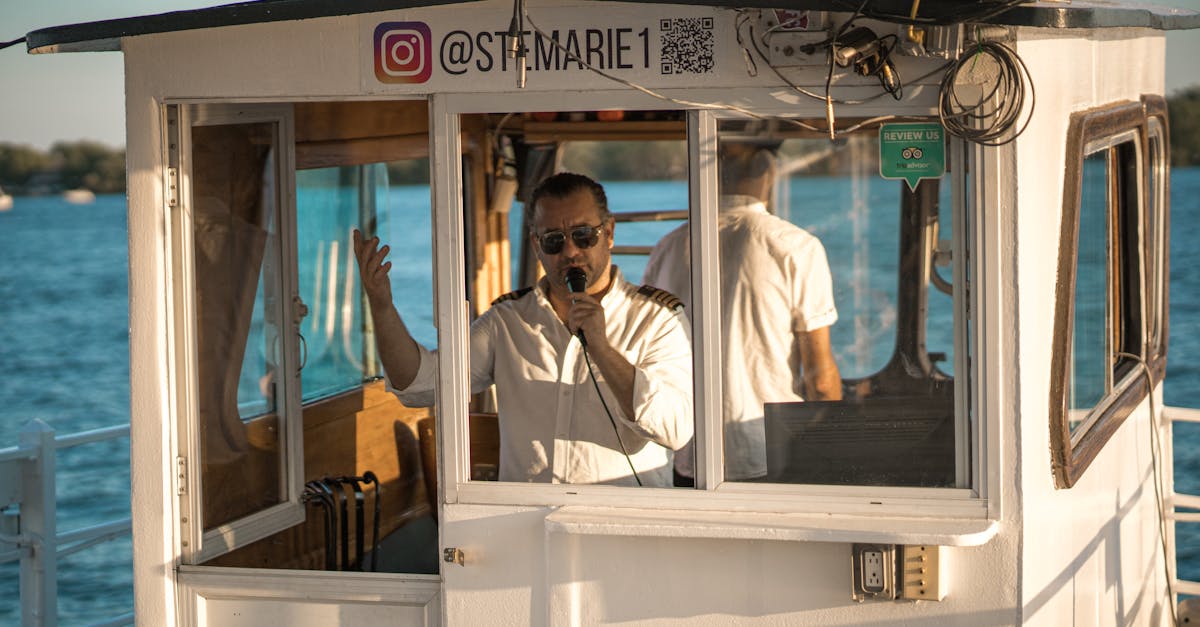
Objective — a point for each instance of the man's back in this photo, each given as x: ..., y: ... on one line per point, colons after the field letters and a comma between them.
x: 775, y: 282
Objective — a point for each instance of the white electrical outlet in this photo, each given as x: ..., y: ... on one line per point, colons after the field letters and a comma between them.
x: 874, y: 571
x: 872, y: 567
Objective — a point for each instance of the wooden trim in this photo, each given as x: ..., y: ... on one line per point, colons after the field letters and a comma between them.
x: 1070, y: 462
x: 608, y: 131
x: 360, y: 151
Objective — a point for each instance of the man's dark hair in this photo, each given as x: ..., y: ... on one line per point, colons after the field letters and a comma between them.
x: 564, y: 184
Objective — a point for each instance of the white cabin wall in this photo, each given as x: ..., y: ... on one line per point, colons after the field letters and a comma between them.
x: 151, y: 418
x: 255, y: 61
x: 1088, y: 553
x: 556, y: 578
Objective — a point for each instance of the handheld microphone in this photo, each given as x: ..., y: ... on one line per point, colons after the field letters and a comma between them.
x: 576, y: 280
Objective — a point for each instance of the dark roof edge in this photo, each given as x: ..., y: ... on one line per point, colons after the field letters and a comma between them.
x: 106, y: 35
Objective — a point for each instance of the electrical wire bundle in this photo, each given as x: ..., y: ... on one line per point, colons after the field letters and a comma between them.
x: 998, y: 108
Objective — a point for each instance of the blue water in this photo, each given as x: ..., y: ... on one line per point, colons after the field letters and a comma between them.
x: 64, y: 359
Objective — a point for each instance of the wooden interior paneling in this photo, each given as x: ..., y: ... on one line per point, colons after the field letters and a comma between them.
x: 335, y: 121
x: 330, y: 134
x: 349, y: 434
x: 348, y: 152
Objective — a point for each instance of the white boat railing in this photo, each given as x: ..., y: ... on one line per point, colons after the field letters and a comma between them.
x: 1183, y: 507
x: 28, y: 524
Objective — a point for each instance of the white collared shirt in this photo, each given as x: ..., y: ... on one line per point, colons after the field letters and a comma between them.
x: 775, y: 280
x: 553, y: 427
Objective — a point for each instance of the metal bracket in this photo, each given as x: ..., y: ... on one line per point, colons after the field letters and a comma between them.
x: 181, y: 475
x: 172, y: 187
x: 454, y: 555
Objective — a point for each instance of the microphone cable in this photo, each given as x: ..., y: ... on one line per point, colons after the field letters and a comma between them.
x: 612, y: 421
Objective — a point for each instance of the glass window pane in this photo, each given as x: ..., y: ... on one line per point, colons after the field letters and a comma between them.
x: 406, y: 226
x: 825, y: 303
x: 638, y: 177
x: 553, y: 393
x: 939, y: 326
x: 329, y: 203
x: 1091, y: 343
x: 240, y: 317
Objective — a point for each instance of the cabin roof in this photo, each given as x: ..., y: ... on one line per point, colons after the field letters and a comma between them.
x: 106, y: 35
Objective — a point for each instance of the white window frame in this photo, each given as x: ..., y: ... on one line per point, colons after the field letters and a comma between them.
x: 981, y: 392
x: 195, y: 545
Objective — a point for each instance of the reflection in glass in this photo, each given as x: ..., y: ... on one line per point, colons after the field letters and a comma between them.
x: 238, y: 312
x: 825, y: 305
x: 329, y: 203
x: 1090, y: 349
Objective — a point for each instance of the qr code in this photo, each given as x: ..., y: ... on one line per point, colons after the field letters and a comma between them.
x: 687, y: 45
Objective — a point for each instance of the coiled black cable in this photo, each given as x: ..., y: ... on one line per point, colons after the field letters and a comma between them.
x: 998, y: 110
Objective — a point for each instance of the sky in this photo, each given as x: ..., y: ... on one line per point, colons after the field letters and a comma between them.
x: 66, y: 97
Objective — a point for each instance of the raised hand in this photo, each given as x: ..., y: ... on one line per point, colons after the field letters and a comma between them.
x: 372, y: 269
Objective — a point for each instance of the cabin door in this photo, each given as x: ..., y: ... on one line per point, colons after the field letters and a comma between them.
x: 253, y: 432
x: 239, y: 464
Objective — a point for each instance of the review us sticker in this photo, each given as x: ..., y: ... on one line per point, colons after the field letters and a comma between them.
x: 912, y: 152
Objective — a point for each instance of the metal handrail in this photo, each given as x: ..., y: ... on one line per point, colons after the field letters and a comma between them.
x: 1180, y: 414
x: 117, y: 621
x: 1180, y: 500
x: 17, y: 453
x: 87, y: 537
x: 94, y: 435
x: 29, y: 470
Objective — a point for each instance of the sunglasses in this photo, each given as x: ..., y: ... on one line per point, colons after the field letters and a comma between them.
x: 584, y: 237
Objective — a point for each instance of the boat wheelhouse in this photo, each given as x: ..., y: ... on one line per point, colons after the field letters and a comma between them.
x: 989, y: 180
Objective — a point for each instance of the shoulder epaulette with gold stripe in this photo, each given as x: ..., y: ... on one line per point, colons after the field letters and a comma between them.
x: 514, y: 295
x: 661, y: 296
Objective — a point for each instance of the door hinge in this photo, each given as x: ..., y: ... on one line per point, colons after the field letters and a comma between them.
x: 172, y: 187
x: 454, y: 555
x: 181, y: 475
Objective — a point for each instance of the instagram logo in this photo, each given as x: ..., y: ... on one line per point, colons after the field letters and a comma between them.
x: 402, y: 52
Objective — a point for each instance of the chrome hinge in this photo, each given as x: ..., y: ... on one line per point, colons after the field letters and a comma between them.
x: 454, y: 555
x: 181, y: 475
x: 172, y: 187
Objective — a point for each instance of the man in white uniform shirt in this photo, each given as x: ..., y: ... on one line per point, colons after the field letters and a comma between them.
x: 534, y: 345
x: 776, y: 310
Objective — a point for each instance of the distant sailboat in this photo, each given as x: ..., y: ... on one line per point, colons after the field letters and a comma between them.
x: 6, y: 201
x: 79, y: 196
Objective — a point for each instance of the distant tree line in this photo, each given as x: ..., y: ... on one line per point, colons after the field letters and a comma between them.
x: 66, y: 165
x: 1184, y: 111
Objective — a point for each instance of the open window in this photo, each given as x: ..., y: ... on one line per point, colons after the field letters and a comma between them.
x: 640, y: 158
x: 1110, y: 289
x: 240, y: 466
x: 317, y: 465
